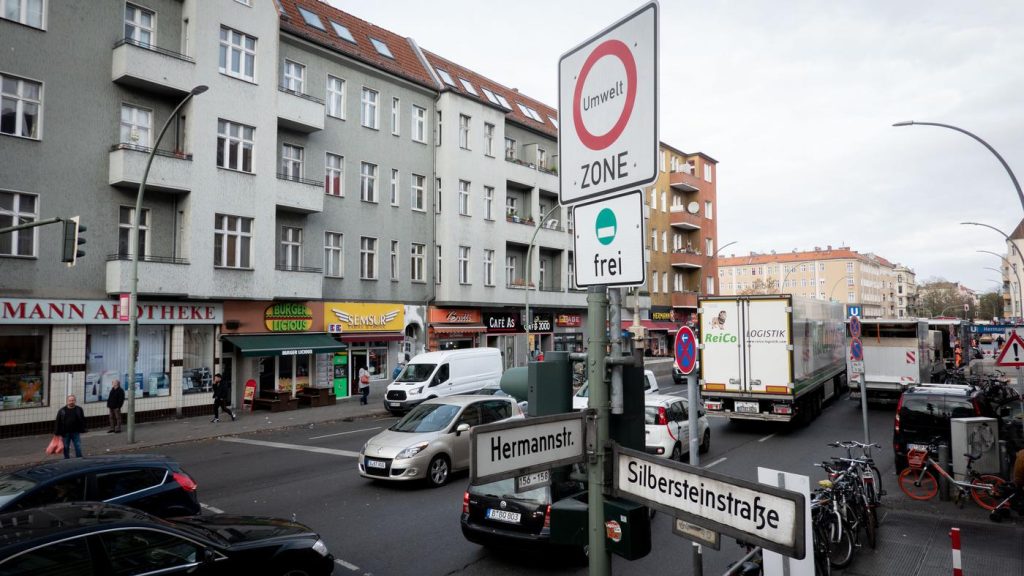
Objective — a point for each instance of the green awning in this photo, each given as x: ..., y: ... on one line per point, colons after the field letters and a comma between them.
x: 285, y: 344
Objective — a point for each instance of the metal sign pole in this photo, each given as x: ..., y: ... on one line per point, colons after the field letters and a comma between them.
x: 600, y: 561
x: 864, y: 410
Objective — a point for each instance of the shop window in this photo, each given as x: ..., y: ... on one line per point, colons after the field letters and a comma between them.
x: 197, y: 365
x: 106, y: 359
x: 24, y: 365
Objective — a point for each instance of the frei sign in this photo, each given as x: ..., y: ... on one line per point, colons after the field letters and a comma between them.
x: 520, y: 447
x: 608, y: 106
x: 609, y: 241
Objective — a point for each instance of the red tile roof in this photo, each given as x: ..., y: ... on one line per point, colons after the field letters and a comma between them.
x: 834, y: 254
x: 405, y: 64
x: 514, y: 97
x: 1018, y: 232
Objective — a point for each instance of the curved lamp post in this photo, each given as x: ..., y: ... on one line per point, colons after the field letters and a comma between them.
x: 529, y: 269
x: 1008, y: 264
x: 830, y: 292
x: 133, y: 313
x: 1020, y: 289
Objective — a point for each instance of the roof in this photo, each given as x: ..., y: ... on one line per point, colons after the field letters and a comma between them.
x: 511, y: 95
x: 1018, y: 232
x: 405, y: 63
x: 21, y: 528
x: 681, y: 153
x: 841, y: 253
x: 53, y: 468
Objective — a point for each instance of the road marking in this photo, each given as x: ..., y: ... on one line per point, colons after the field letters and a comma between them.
x: 316, y: 449
x: 677, y: 393
x: 767, y: 437
x: 717, y: 462
x: 211, y: 508
x: 342, y: 433
x: 344, y: 564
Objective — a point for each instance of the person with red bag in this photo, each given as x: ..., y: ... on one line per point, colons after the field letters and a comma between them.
x: 70, y: 425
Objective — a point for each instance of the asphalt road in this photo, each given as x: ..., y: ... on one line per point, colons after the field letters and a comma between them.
x: 395, y: 529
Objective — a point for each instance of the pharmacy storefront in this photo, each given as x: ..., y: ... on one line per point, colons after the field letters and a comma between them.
x: 52, y: 348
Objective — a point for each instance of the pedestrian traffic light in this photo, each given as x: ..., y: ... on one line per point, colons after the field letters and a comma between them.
x: 72, y: 240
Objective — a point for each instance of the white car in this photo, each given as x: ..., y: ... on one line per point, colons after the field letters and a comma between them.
x: 582, y: 397
x: 667, y: 426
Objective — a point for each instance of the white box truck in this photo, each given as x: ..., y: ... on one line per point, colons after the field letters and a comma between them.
x: 773, y: 357
x: 897, y: 354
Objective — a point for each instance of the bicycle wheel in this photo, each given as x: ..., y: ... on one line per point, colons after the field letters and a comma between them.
x: 871, y: 527
x: 822, y: 567
x: 918, y: 484
x: 840, y: 542
x: 876, y: 479
x: 987, y: 499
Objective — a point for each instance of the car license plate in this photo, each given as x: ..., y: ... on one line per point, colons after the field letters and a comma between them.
x: 747, y: 407
x: 503, y: 515
x: 375, y: 464
x: 395, y: 404
x: 923, y: 447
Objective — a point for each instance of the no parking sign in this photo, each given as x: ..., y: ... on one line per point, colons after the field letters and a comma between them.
x: 686, y: 350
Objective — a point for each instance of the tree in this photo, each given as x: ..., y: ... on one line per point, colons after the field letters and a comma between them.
x: 938, y: 297
x: 991, y: 306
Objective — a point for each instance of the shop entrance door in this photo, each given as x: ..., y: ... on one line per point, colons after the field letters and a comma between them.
x: 358, y: 359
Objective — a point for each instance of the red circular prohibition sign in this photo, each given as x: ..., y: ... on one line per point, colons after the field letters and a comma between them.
x: 619, y: 50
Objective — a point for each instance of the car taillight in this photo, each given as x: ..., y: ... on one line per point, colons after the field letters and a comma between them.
x: 186, y: 483
x: 547, y: 517
x: 899, y: 406
x: 662, y: 416
x: 465, y: 503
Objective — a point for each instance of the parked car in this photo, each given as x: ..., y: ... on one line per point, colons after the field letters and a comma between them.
x: 150, y: 482
x: 667, y: 426
x: 98, y: 538
x: 582, y: 396
x: 497, y: 391
x: 432, y: 440
x: 677, y: 374
x: 924, y: 412
x: 444, y: 373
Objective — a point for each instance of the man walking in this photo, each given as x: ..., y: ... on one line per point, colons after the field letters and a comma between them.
x: 221, y: 398
x: 114, y: 402
x: 70, y: 426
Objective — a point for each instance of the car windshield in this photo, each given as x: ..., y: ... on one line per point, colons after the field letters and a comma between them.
x: 12, y: 486
x: 584, y: 391
x: 416, y: 373
x: 490, y: 391
x: 506, y: 489
x: 427, y: 418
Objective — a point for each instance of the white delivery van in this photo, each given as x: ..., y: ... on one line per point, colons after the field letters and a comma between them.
x: 443, y: 373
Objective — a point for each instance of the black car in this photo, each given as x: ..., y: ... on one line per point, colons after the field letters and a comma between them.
x: 149, y: 482
x: 677, y: 375
x: 92, y: 538
x: 924, y: 412
x: 493, y: 514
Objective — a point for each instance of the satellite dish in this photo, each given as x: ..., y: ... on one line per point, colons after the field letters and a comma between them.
x: 693, y: 207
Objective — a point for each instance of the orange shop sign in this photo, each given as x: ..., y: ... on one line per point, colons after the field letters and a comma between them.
x: 347, y: 317
x: 455, y: 316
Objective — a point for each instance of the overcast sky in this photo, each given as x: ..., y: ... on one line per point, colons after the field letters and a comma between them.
x: 795, y: 100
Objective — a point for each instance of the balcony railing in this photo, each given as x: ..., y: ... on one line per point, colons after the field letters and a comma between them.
x: 147, y: 258
x: 293, y: 178
x: 147, y: 150
x: 518, y: 284
x: 516, y: 219
x: 550, y: 288
x: 157, y: 49
x: 290, y: 268
x: 300, y: 94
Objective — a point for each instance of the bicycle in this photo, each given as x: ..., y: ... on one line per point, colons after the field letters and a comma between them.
x: 869, y: 473
x: 918, y: 483
x: 838, y: 521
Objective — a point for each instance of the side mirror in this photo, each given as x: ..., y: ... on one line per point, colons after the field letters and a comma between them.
x: 209, y: 555
x: 463, y: 427
x: 1005, y: 412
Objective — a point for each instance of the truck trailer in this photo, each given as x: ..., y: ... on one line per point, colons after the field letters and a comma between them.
x: 897, y: 354
x: 772, y: 357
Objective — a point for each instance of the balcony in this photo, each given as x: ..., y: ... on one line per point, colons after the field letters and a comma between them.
x: 300, y: 195
x: 531, y: 175
x: 170, y: 173
x: 297, y: 282
x: 684, y: 181
x: 298, y: 111
x: 153, y: 69
x: 158, y: 275
x: 688, y: 259
x: 680, y: 218
x: 684, y: 299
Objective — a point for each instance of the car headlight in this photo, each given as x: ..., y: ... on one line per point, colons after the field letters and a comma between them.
x: 414, y: 391
x: 362, y: 450
x: 320, y: 547
x: 411, y: 451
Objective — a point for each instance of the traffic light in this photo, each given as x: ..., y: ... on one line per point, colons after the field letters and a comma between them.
x: 72, y: 240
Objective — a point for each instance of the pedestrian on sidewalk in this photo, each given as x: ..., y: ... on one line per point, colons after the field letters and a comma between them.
x: 70, y: 425
x: 114, y: 403
x: 221, y: 398
x: 364, y: 386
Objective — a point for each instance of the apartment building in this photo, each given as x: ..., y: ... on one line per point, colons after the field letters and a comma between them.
x: 1011, y: 269
x: 836, y: 274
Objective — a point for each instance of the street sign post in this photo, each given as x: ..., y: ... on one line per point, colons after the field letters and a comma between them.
x: 608, y: 105
x: 855, y: 328
x: 609, y: 241
x: 517, y: 448
x: 686, y: 349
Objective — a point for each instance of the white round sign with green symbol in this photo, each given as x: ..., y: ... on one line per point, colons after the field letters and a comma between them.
x: 606, y: 226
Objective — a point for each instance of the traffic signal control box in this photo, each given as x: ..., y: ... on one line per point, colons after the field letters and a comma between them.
x: 628, y: 428
x: 550, y: 385
x: 627, y: 525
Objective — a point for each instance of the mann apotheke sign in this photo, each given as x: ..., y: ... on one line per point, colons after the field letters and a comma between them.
x: 34, y: 311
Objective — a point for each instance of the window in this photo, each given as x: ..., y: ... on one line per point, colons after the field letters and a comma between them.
x: 294, y: 76
x: 542, y: 158
x: 20, y: 106
x: 136, y: 125
x: 27, y: 12
x: 367, y: 258
x: 664, y: 241
x: 234, y: 145
x: 469, y: 87
x: 394, y: 260
x: 335, y: 175
x: 381, y: 48
x: 437, y: 265
x: 291, y: 248
x: 489, y: 139
x: 664, y: 157
x: 368, y: 182
x: 490, y: 96
x: 488, y: 267
x: 342, y: 32
x: 849, y: 297
x: 511, y: 206
x: 664, y: 201
x: 553, y: 121
x: 849, y: 280
x: 311, y: 19
x: 125, y: 220
x: 416, y: 269
x: 489, y: 202
x: 335, y: 97
x: 510, y: 269
x: 503, y: 101
x: 707, y: 209
x: 394, y: 187
x: 17, y: 209
x: 707, y: 172
x: 437, y: 195
x: 419, y: 124
x: 654, y: 281
x: 138, y: 24
x: 66, y: 557
x: 803, y: 267
x: 677, y: 281
x: 291, y: 161
x: 709, y: 247
x: 849, y: 267
x: 463, y: 264
x: 664, y: 282
x: 437, y: 131
x: 137, y: 551
x: 821, y: 266
x: 232, y: 241
x: 334, y: 263
x: 396, y: 106
x: 464, y: 131
x: 417, y: 193
x: 368, y: 111
x: 463, y: 198
x: 510, y: 148
x: 710, y: 284
x: 446, y: 77
x: 120, y: 482
x: 237, y: 54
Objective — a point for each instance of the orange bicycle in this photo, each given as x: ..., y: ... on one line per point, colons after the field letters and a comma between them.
x: 919, y: 483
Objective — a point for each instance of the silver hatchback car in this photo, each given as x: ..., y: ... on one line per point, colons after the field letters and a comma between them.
x: 432, y: 440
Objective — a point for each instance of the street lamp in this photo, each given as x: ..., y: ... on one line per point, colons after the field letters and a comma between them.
x: 713, y: 256
x: 529, y: 270
x: 1020, y: 289
x: 830, y: 292
x: 1009, y: 265
x: 1016, y: 184
x: 133, y: 314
